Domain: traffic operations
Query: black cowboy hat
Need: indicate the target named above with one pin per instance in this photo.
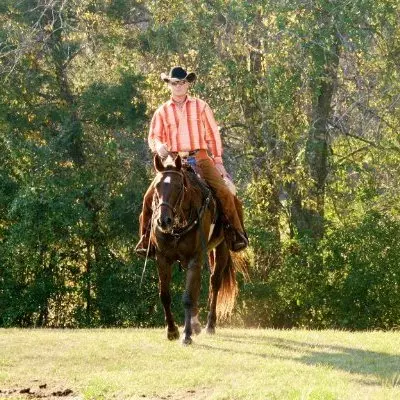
(178, 74)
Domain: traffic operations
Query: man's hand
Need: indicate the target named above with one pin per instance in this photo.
(221, 169)
(162, 149)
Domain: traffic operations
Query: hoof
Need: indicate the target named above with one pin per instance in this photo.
(187, 341)
(173, 335)
(210, 330)
(196, 328)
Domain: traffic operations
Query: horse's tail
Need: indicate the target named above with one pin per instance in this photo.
(236, 262)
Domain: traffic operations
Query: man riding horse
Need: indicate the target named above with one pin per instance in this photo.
(185, 125)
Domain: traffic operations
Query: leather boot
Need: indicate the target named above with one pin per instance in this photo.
(235, 239)
(239, 242)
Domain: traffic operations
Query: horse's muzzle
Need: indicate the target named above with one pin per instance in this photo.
(165, 222)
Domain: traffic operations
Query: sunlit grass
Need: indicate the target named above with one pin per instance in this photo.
(233, 364)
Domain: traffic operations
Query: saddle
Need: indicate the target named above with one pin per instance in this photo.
(220, 221)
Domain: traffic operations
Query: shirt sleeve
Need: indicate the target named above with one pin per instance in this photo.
(213, 137)
(157, 131)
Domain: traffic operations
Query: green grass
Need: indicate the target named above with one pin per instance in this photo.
(233, 364)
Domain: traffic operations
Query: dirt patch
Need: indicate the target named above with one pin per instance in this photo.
(43, 391)
(39, 391)
(192, 394)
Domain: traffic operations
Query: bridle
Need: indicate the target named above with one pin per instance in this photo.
(193, 221)
(179, 200)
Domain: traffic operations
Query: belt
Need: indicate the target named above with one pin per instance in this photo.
(200, 154)
(186, 154)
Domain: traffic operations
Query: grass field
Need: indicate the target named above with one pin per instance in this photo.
(233, 364)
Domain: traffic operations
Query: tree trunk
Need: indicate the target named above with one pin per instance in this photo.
(309, 219)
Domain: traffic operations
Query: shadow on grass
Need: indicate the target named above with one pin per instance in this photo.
(378, 368)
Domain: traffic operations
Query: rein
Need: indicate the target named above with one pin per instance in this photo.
(191, 225)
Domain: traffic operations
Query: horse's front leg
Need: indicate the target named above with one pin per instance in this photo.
(190, 299)
(164, 276)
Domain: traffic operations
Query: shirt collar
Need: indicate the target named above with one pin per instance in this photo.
(188, 98)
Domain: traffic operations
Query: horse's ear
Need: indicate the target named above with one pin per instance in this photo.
(178, 163)
(158, 165)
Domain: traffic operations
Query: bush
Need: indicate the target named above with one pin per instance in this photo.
(363, 265)
(351, 280)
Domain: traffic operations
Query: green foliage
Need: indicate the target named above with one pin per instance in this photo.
(363, 270)
(305, 94)
(112, 106)
(349, 281)
(72, 179)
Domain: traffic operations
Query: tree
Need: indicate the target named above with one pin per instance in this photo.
(306, 95)
(68, 137)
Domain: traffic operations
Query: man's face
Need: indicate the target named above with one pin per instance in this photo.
(178, 88)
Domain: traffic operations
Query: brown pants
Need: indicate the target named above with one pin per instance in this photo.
(231, 205)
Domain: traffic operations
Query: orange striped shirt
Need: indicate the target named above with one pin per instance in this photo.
(191, 128)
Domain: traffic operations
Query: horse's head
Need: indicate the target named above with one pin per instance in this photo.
(168, 190)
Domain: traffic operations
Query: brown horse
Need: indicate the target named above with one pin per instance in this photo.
(187, 227)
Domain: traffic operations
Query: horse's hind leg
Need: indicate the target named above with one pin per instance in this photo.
(191, 297)
(164, 275)
(218, 262)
